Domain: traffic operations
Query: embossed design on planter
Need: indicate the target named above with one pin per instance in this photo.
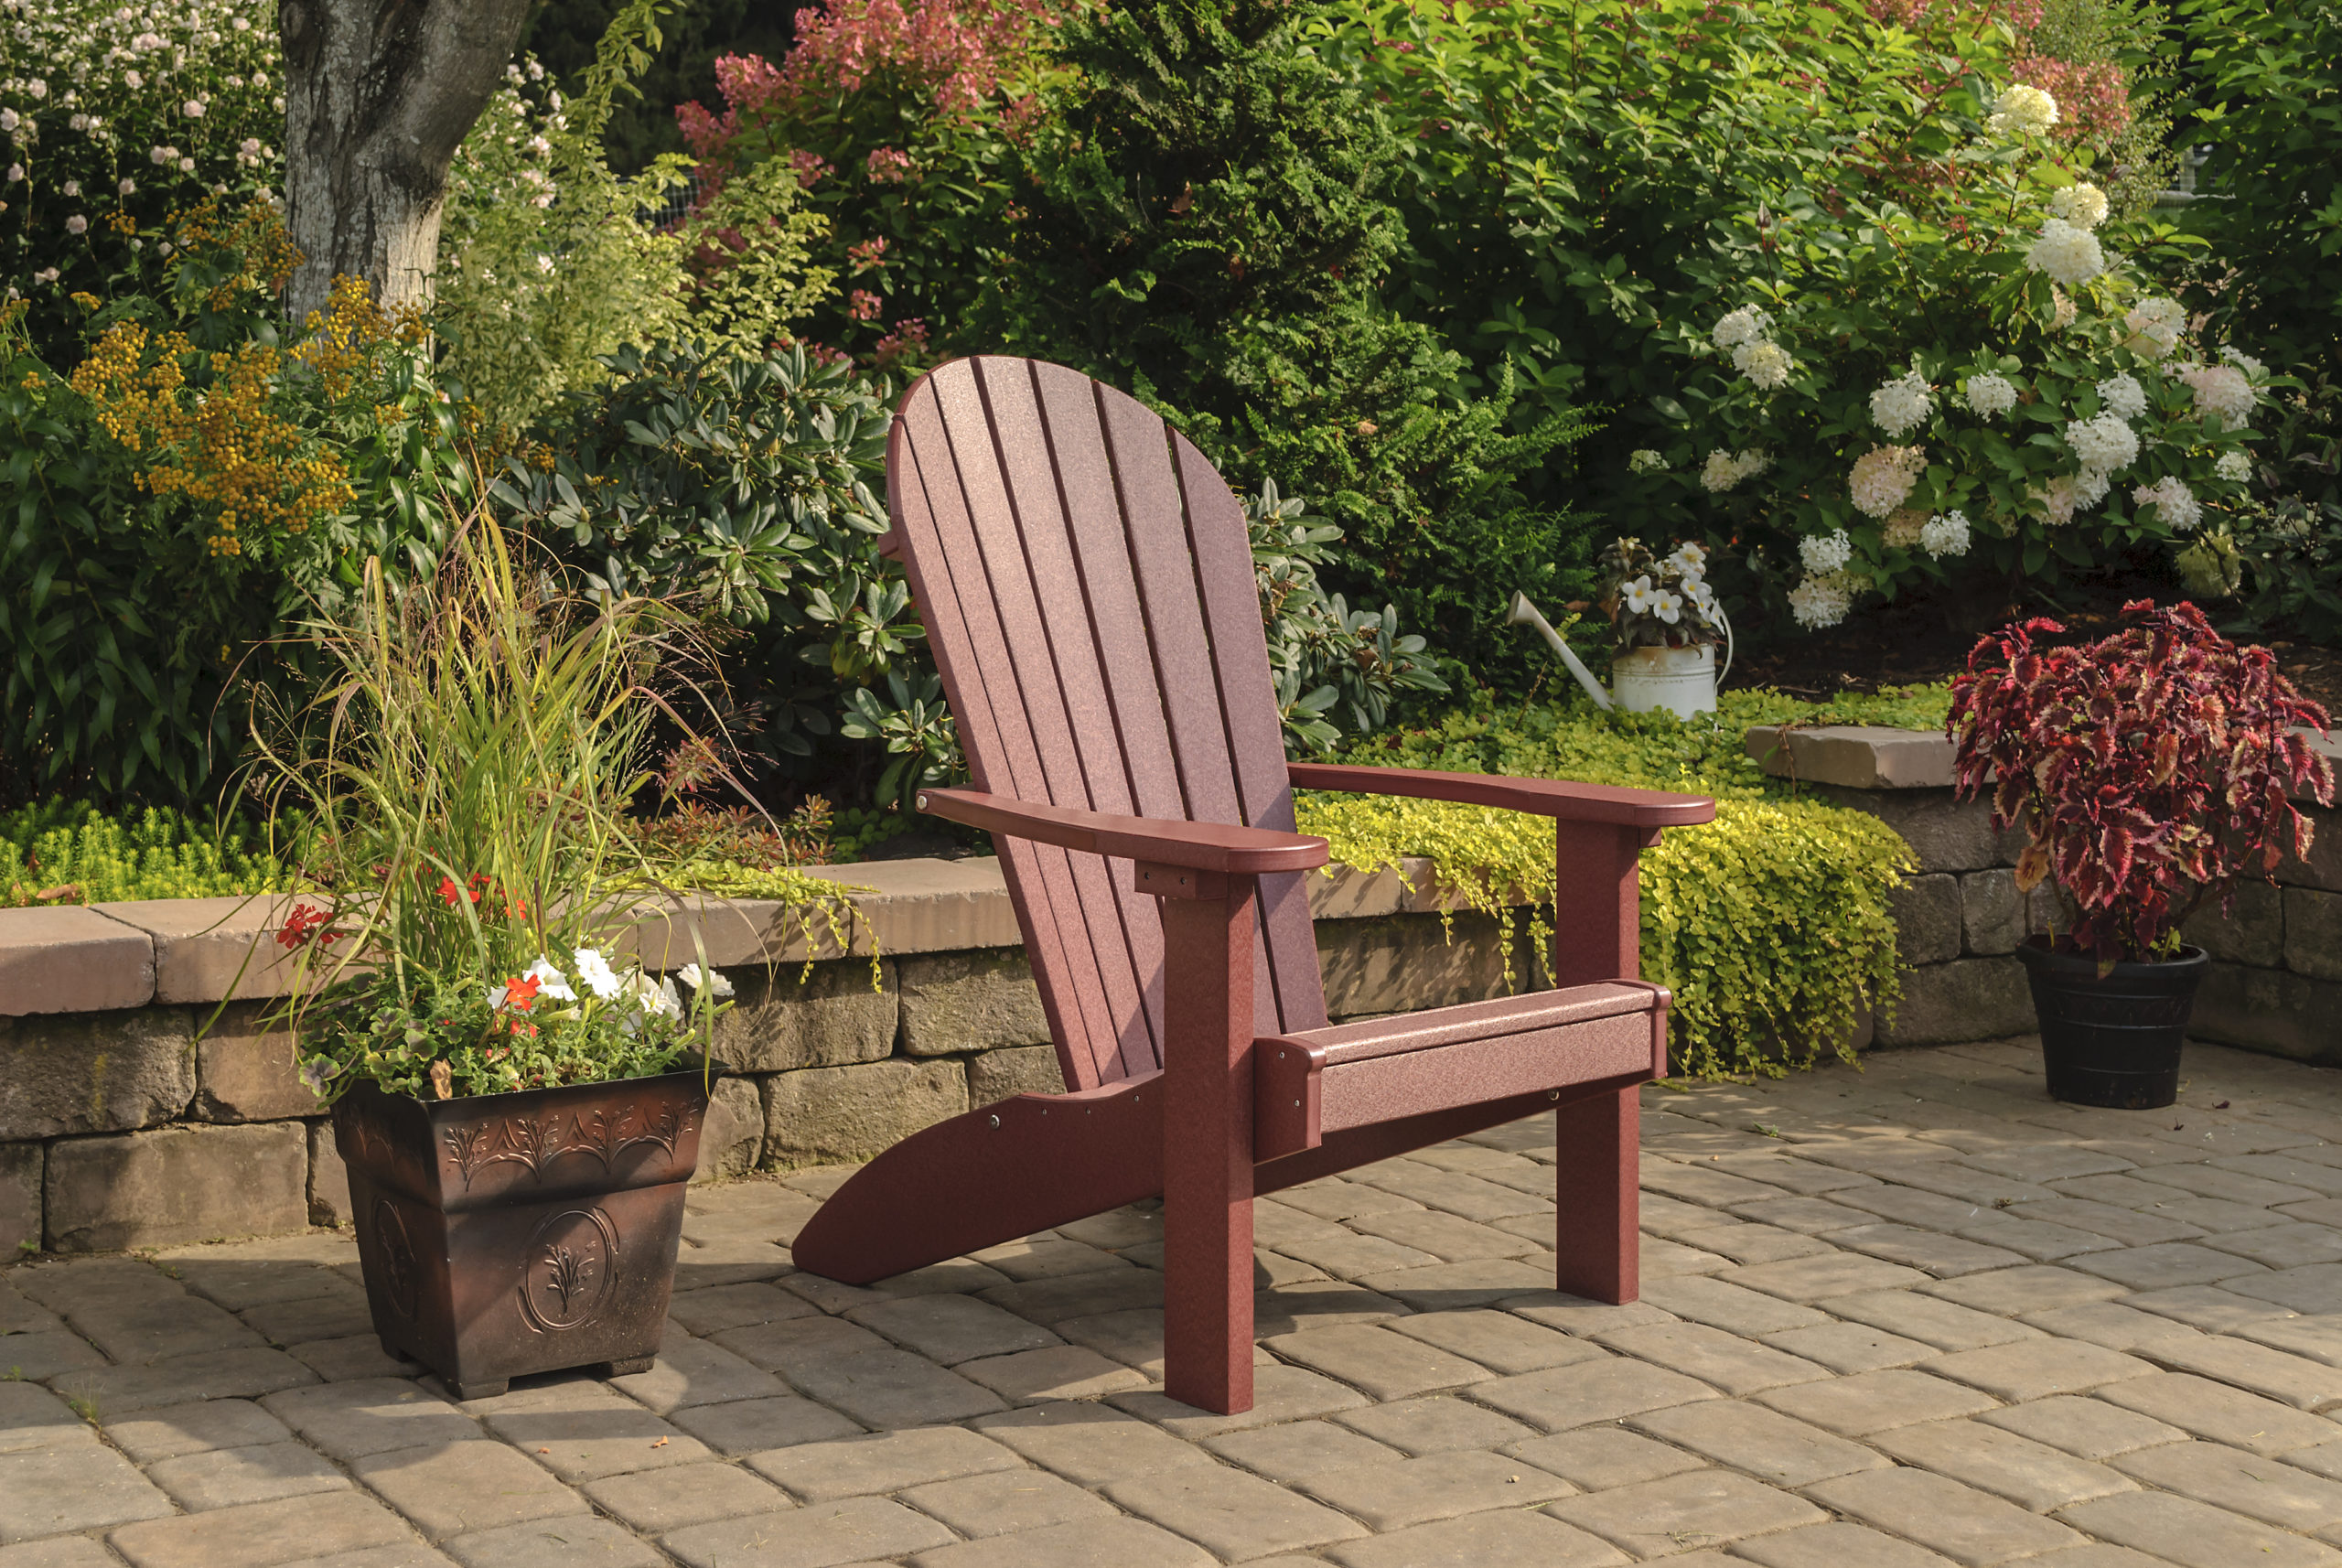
(400, 1275)
(535, 1142)
(566, 1270)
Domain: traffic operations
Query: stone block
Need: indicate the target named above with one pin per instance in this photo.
(959, 1002)
(72, 960)
(1408, 963)
(205, 949)
(1944, 834)
(20, 1166)
(825, 1114)
(95, 1072)
(2312, 932)
(245, 1072)
(1993, 916)
(328, 1178)
(2253, 932)
(733, 1139)
(834, 1016)
(1968, 999)
(2272, 1010)
(1926, 920)
(900, 906)
(181, 1183)
(1857, 757)
(1022, 1069)
(2322, 869)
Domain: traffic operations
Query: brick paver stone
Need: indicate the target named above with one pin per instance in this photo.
(1230, 1514)
(2029, 1474)
(1059, 1372)
(2086, 1428)
(2036, 1368)
(2219, 1413)
(1931, 1319)
(884, 1462)
(752, 1426)
(1837, 1545)
(1503, 1540)
(1124, 1543)
(2298, 1381)
(1384, 1365)
(195, 1429)
(2312, 1290)
(59, 1551)
(2167, 1264)
(1500, 1341)
(788, 1344)
(1724, 1360)
(1681, 1513)
(953, 1328)
(1442, 1424)
(2209, 1308)
(692, 1371)
(582, 1429)
(1735, 1309)
(892, 1388)
(2251, 1484)
(1766, 1443)
(1279, 1393)
(72, 1486)
(215, 1374)
(153, 1327)
(1090, 1445)
(1962, 1523)
(1299, 1450)
(1444, 1236)
(1006, 1502)
(2288, 1246)
(1874, 1401)
(263, 1535)
(656, 1501)
(1575, 1315)
(1850, 1347)
(857, 1529)
(1588, 1392)
(1597, 1458)
(2035, 1288)
(1812, 1280)
(350, 1420)
(32, 1417)
(1938, 1253)
(2113, 1323)
(734, 1306)
(2195, 1535)
(223, 1478)
(2319, 1339)
(1405, 1492)
(554, 1543)
(453, 1488)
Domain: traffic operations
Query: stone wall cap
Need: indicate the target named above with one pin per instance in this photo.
(1856, 757)
(206, 950)
(69, 958)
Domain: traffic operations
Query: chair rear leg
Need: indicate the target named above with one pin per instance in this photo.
(1597, 1148)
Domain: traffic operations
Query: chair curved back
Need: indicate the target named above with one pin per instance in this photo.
(1086, 581)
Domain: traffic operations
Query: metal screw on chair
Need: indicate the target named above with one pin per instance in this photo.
(995, 1121)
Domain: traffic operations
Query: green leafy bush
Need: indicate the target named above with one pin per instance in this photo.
(75, 853)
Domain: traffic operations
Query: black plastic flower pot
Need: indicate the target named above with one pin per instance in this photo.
(2112, 1039)
(505, 1234)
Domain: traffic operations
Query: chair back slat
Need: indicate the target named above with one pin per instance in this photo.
(1087, 584)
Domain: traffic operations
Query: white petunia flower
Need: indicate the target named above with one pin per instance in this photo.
(551, 982)
(2082, 205)
(2176, 505)
(2102, 445)
(2069, 255)
(2123, 395)
(1901, 405)
(1946, 534)
(1991, 395)
(1821, 601)
(595, 974)
(1882, 478)
(2220, 390)
(1646, 461)
(2022, 111)
(692, 975)
(2234, 467)
(1825, 553)
(2156, 327)
(1767, 365)
(1745, 324)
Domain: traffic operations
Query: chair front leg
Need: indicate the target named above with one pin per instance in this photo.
(1207, 1026)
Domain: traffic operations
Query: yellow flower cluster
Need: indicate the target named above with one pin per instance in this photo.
(345, 341)
(256, 236)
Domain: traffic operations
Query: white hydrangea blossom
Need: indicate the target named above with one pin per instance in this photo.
(1991, 395)
(2070, 493)
(2220, 390)
(2022, 111)
(2082, 205)
(1946, 534)
(2069, 255)
(1882, 478)
(2174, 502)
(1901, 405)
(2123, 395)
(1821, 601)
(1724, 471)
(2234, 467)
(1903, 528)
(2156, 327)
(2253, 369)
(1767, 365)
(1745, 324)
(1825, 553)
(2104, 444)
(1646, 461)
(2061, 308)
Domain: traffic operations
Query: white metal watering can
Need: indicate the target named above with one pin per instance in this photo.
(1683, 680)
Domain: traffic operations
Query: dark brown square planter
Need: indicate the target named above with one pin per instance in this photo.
(507, 1234)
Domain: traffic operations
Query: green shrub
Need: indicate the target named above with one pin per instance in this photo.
(73, 852)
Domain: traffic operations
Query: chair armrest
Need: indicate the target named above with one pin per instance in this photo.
(1557, 798)
(1194, 847)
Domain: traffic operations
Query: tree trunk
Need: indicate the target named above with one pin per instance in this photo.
(378, 95)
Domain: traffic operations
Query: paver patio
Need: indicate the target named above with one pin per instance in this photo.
(1912, 1316)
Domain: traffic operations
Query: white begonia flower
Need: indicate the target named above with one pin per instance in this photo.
(2253, 369)
(2123, 395)
(2022, 111)
(1701, 595)
(1825, 553)
(2061, 308)
(1667, 606)
(1946, 534)
(127, 187)
(2069, 255)
(2234, 467)
(1901, 405)
(1745, 324)
(76, 224)
(1767, 365)
(1638, 597)
(73, 188)
(710, 979)
(2082, 205)
(2102, 445)
(2220, 390)
(551, 982)
(1646, 461)
(2176, 505)
(595, 974)
(9, 121)
(1991, 395)
(1821, 601)
(1689, 560)
(1882, 478)
(192, 108)
(16, 173)
(2156, 327)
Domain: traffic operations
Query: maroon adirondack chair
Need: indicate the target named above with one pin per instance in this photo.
(1086, 581)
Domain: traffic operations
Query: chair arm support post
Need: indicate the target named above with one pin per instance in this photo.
(1597, 924)
(1208, 1027)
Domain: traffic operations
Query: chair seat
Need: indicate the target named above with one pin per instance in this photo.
(1315, 1082)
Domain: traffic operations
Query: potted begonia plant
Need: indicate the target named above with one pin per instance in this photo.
(1665, 624)
(519, 1105)
(2150, 771)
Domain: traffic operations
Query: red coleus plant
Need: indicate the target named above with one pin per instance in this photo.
(2150, 769)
